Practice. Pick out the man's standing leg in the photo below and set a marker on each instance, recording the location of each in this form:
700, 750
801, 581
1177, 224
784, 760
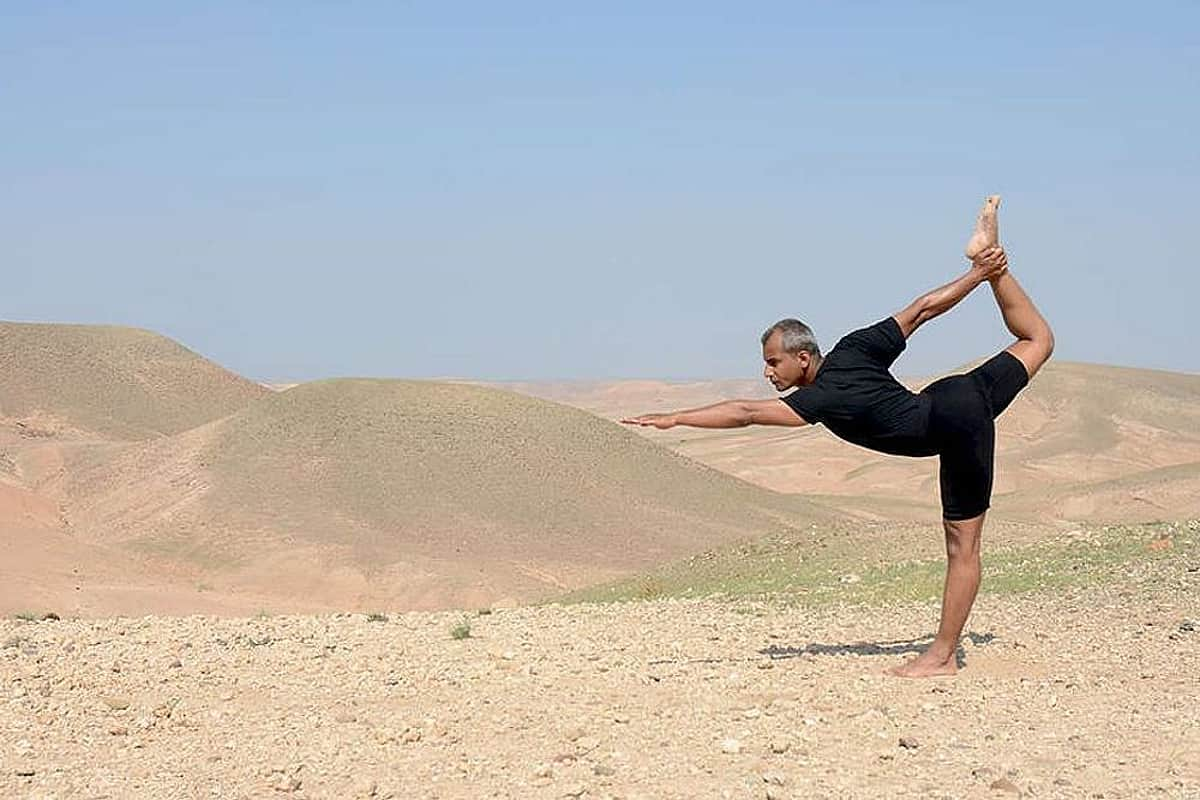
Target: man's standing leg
1035, 343
962, 583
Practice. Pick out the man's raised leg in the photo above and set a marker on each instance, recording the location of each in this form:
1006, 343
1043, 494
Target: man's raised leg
962, 584
1035, 340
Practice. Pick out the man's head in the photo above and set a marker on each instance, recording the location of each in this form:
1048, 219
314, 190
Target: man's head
790, 354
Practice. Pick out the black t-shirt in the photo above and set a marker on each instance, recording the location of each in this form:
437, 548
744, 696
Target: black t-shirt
857, 398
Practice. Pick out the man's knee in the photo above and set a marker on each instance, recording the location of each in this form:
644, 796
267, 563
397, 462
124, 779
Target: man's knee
963, 537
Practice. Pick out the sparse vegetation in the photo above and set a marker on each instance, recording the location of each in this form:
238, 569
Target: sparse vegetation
842, 572
462, 630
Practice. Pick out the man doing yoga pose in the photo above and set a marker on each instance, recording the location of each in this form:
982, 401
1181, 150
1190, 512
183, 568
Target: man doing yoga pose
852, 391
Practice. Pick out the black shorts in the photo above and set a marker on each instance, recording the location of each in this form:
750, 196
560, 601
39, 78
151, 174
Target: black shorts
962, 426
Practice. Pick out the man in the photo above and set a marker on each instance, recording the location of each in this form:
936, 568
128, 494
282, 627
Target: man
852, 392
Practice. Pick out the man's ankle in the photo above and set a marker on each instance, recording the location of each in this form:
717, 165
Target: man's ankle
940, 652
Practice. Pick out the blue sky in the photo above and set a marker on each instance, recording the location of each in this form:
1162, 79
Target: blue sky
567, 190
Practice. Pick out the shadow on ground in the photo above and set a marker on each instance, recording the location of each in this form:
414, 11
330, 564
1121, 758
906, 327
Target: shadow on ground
893, 648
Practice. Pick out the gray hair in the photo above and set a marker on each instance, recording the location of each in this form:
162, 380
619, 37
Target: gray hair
795, 336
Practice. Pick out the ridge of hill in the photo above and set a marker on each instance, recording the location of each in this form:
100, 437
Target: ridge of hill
109, 382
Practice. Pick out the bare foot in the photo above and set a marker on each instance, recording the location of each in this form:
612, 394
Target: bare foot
925, 666
987, 227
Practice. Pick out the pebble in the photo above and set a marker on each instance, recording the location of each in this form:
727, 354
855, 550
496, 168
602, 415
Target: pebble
774, 777
1005, 785
779, 746
775, 793
909, 743
731, 746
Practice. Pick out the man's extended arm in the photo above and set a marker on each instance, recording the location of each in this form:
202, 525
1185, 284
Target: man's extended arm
728, 414
986, 265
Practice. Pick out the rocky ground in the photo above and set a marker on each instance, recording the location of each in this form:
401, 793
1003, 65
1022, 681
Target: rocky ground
1080, 693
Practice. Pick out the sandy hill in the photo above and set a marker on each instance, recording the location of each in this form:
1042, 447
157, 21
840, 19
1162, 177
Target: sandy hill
108, 382
1083, 441
407, 494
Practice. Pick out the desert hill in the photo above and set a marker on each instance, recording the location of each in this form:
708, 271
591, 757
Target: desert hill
1082, 441
108, 382
405, 494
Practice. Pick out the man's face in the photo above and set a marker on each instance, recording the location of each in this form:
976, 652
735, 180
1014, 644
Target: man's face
783, 369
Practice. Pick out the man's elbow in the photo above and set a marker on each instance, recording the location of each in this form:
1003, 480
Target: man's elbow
743, 414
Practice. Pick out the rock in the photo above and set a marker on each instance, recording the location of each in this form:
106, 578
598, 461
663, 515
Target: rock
574, 790
731, 746
1005, 785
779, 746
1190, 626
543, 771
364, 789
909, 743
575, 733
751, 713
774, 777
344, 716
286, 784
587, 744
25, 772
175, 664
116, 703
775, 793
621, 718
604, 770
118, 730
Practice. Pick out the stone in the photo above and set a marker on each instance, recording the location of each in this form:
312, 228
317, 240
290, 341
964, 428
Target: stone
116, 703
909, 743
731, 746
1005, 785
774, 777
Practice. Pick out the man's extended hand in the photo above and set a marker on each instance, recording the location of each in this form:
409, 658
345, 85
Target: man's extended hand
660, 421
991, 262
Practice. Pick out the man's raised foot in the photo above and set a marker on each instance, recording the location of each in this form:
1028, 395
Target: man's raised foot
987, 227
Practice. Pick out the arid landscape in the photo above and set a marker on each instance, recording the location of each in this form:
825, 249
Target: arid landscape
385, 588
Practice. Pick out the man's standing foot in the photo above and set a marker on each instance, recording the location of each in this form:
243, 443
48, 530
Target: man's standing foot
926, 665
987, 227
